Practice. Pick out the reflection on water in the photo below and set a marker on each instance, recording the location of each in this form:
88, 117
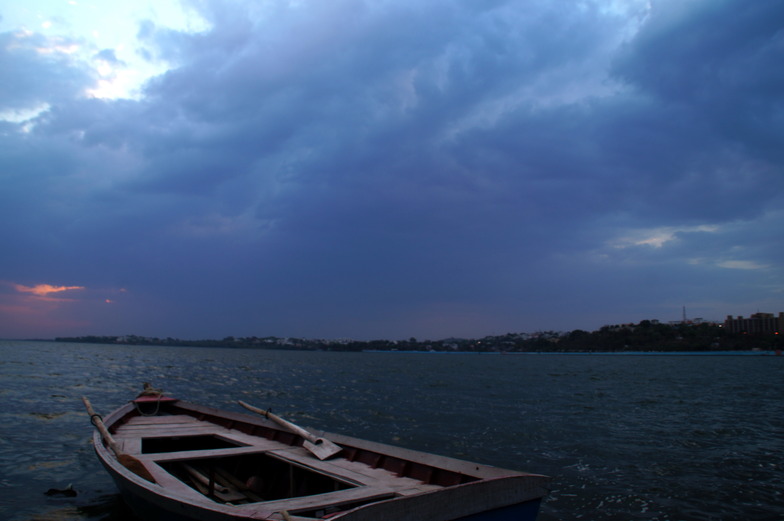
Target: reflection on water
625, 437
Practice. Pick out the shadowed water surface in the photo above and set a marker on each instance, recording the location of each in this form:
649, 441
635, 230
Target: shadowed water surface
624, 437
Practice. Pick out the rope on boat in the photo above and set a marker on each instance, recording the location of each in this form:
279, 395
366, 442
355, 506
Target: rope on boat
153, 413
149, 390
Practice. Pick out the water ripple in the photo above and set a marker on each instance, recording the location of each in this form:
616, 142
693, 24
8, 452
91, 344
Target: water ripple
654, 438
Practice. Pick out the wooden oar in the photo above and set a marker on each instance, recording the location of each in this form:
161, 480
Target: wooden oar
322, 448
126, 460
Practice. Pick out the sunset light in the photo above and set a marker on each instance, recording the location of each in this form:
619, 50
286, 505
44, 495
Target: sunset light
43, 290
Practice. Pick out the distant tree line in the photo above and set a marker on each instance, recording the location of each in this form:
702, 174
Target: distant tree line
645, 336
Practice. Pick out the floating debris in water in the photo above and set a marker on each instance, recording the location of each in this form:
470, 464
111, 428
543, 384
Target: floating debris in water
64, 492
47, 415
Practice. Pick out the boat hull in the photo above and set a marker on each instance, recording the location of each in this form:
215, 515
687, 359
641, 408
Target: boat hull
378, 482
149, 508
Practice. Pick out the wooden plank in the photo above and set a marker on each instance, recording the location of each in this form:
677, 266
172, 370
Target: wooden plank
326, 500
163, 426
206, 486
154, 420
175, 423
185, 429
173, 485
377, 474
351, 471
250, 439
170, 425
130, 445
201, 454
440, 462
131, 434
229, 480
261, 444
165, 431
202, 478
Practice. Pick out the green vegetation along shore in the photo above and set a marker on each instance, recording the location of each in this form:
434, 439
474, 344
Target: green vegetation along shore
644, 336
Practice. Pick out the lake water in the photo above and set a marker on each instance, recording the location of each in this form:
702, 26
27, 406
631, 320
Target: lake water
624, 437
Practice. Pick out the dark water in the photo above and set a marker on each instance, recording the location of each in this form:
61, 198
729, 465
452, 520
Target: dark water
624, 437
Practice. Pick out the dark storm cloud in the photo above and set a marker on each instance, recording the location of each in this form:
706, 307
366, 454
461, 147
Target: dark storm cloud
385, 169
715, 67
721, 55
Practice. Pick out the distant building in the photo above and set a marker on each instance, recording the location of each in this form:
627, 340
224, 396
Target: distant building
758, 323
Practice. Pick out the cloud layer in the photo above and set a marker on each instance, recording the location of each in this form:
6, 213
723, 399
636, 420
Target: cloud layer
391, 169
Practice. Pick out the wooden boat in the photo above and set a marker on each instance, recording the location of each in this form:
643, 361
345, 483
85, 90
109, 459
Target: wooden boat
173, 460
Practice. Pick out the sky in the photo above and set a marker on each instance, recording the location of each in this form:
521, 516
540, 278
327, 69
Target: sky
378, 169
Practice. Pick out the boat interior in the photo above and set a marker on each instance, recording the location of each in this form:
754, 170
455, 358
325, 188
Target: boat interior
234, 459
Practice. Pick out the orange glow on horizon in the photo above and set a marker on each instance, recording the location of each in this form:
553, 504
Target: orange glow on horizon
43, 290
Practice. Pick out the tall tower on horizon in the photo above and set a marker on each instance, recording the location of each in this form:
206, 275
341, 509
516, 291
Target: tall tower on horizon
684, 314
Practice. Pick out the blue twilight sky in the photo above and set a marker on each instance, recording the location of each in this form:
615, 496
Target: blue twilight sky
387, 169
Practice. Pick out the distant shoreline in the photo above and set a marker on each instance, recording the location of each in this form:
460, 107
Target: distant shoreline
752, 352
646, 338
652, 352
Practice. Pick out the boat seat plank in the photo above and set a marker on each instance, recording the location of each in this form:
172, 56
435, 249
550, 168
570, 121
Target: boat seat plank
181, 425
130, 436
354, 471
201, 454
130, 445
329, 499
155, 420
175, 423
168, 430
249, 440
434, 460
381, 475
